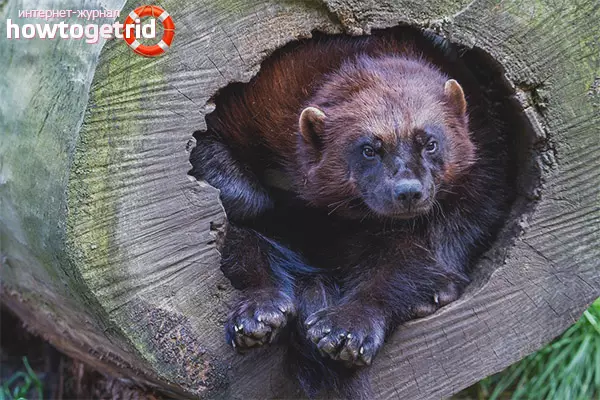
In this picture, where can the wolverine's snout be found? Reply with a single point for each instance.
(408, 192)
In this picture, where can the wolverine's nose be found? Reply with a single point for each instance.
(408, 190)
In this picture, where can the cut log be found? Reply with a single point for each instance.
(109, 250)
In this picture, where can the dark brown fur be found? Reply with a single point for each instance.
(334, 255)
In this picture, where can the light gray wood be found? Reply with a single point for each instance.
(108, 246)
(44, 87)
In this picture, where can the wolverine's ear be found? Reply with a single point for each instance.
(456, 96)
(312, 122)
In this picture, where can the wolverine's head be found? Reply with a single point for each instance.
(386, 136)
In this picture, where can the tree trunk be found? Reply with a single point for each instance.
(109, 250)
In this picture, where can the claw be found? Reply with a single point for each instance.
(348, 339)
(256, 322)
(310, 321)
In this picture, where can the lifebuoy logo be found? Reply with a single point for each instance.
(132, 31)
(133, 20)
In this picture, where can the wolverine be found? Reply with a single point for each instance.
(361, 179)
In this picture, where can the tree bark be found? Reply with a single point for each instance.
(109, 250)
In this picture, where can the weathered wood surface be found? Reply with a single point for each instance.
(44, 90)
(108, 246)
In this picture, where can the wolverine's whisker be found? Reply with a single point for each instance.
(341, 203)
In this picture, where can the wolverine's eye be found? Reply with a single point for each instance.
(431, 147)
(368, 152)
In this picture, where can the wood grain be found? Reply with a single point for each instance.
(134, 272)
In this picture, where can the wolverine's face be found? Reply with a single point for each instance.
(386, 148)
(399, 178)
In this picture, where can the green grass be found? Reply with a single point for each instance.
(22, 385)
(568, 368)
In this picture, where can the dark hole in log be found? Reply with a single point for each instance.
(518, 145)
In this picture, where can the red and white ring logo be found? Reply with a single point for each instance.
(168, 30)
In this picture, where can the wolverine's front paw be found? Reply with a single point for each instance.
(258, 319)
(350, 334)
(444, 295)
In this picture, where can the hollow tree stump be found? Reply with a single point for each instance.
(109, 250)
